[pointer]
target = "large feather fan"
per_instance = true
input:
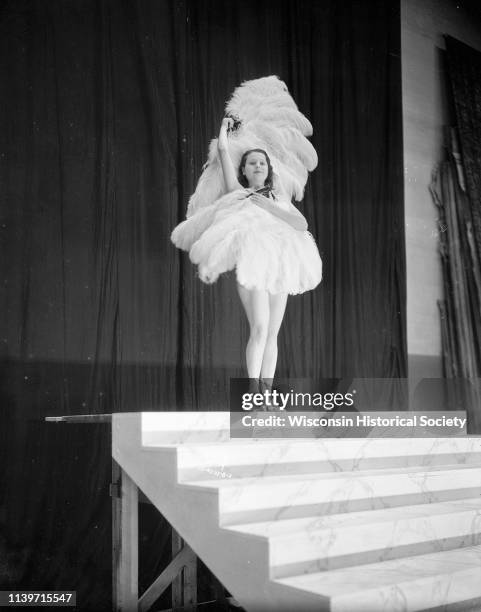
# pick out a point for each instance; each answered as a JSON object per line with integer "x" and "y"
{"x": 267, "y": 118}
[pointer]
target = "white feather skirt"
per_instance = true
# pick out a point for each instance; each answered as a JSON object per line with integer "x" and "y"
{"x": 266, "y": 252}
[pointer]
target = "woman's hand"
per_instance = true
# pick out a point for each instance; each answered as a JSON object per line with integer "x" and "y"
{"x": 262, "y": 202}
{"x": 293, "y": 218}
{"x": 222, "y": 142}
{"x": 228, "y": 170}
{"x": 227, "y": 123}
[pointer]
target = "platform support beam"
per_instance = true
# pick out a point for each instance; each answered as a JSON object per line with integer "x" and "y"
{"x": 181, "y": 572}
{"x": 184, "y": 585}
{"x": 125, "y": 541}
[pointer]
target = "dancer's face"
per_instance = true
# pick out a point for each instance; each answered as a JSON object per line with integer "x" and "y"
{"x": 256, "y": 169}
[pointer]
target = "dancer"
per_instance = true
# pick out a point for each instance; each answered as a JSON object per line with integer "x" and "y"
{"x": 241, "y": 216}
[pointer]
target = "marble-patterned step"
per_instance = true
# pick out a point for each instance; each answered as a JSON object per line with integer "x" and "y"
{"x": 431, "y": 498}
{"x": 172, "y": 428}
{"x": 410, "y": 584}
{"x": 321, "y": 543}
{"x": 245, "y": 458}
{"x": 263, "y": 498}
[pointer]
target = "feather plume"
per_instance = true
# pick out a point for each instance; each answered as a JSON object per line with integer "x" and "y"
{"x": 270, "y": 120}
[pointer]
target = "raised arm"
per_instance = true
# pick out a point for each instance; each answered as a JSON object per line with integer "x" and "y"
{"x": 228, "y": 170}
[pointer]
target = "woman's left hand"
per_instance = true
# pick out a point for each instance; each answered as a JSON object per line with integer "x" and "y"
{"x": 292, "y": 217}
{"x": 260, "y": 200}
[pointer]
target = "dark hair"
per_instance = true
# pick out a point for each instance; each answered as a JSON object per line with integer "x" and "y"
{"x": 241, "y": 177}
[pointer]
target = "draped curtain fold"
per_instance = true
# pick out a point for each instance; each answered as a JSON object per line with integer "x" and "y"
{"x": 457, "y": 192}
{"x": 106, "y": 113}
{"x": 464, "y": 72}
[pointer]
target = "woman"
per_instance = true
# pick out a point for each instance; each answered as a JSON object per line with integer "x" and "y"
{"x": 257, "y": 231}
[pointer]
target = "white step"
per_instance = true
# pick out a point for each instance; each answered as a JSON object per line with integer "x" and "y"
{"x": 327, "y": 542}
{"x": 256, "y": 499}
{"x": 411, "y": 584}
{"x": 333, "y": 479}
{"x": 172, "y": 428}
{"x": 235, "y": 459}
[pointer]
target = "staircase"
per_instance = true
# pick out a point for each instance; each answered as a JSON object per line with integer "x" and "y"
{"x": 346, "y": 525}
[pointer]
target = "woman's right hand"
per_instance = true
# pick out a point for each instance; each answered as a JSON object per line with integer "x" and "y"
{"x": 227, "y": 123}
{"x": 222, "y": 143}
{"x": 228, "y": 170}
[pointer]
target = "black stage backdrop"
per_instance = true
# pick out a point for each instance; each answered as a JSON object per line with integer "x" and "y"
{"x": 107, "y": 109}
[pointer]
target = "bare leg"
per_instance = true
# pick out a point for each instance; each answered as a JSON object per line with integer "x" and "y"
{"x": 256, "y": 306}
{"x": 277, "y": 308}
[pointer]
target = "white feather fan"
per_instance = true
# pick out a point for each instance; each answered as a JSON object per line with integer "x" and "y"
{"x": 269, "y": 120}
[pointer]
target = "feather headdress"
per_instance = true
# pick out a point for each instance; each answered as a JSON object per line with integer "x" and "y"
{"x": 267, "y": 118}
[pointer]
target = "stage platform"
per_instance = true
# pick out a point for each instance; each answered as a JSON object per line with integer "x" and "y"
{"x": 334, "y": 525}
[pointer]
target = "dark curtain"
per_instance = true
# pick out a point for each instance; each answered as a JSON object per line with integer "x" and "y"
{"x": 107, "y": 108}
